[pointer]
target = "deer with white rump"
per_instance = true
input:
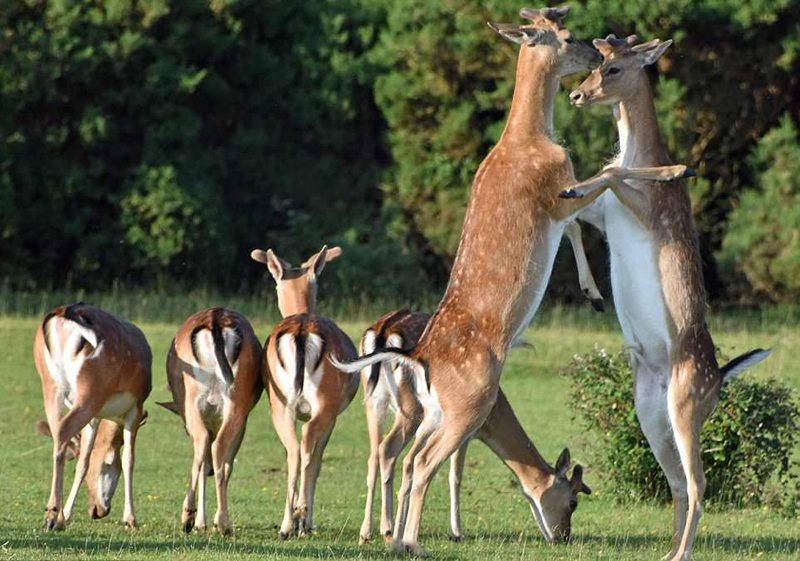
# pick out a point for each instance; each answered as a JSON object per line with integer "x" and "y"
{"x": 214, "y": 374}
{"x": 301, "y": 382}
{"x": 387, "y": 386}
{"x": 512, "y": 229}
{"x": 657, "y": 281}
{"x": 92, "y": 366}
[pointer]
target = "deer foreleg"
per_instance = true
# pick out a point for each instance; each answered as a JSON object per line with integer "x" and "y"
{"x": 87, "y": 443}
{"x": 585, "y": 277}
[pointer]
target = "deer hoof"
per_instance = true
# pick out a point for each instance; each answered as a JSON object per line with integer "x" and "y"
{"x": 283, "y": 535}
{"x": 387, "y": 537}
{"x": 456, "y": 538}
{"x": 569, "y": 194}
{"x": 690, "y": 172}
{"x": 362, "y": 540}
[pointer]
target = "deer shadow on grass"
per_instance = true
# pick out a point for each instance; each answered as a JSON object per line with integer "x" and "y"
{"x": 704, "y": 542}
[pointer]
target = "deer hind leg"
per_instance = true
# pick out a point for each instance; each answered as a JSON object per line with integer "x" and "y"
{"x": 687, "y": 413}
{"x": 284, "y": 420}
{"x": 316, "y": 433}
{"x": 191, "y": 515}
{"x": 585, "y": 277}
{"x": 221, "y": 449}
{"x": 87, "y": 443}
{"x": 396, "y": 440}
{"x": 456, "y": 473}
{"x": 65, "y": 430}
{"x": 129, "y": 433}
{"x": 376, "y": 415}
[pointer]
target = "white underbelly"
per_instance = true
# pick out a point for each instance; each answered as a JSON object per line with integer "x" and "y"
{"x": 636, "y": 283}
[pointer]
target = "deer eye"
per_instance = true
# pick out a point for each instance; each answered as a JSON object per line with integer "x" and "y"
{"x": 573, "y": 504}
{"x": 569, "y": 40}
{"x": 613, "y": 70}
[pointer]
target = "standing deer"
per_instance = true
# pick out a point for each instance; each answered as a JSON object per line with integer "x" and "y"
{"x": 512, "y": 229}
{"x": 93, "y": 366}
{"x": 394, "y": 390}
{"x": 105, "y": 465}
{"x": 301, "y": 382}
{"x": 214, "y": 374}
{"x": 657, "y": 281}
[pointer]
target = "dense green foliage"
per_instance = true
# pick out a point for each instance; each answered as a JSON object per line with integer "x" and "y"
{"x": 159, "y": 141}
{"x": 746, "y": 445}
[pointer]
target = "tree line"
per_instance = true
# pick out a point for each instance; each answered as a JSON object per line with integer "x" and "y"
{"x": 156, "y": 142}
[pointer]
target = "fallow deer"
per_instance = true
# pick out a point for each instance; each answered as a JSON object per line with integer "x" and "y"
{"x": 214, "y": 374}
{"x": 301, "y": 382}
{"x": 93, "y": 366}
{"x": 394, "y": 390}
{"x": 512, "y": 228}
{"x": 657, "y": 282}
{"x": 105, "y": 465}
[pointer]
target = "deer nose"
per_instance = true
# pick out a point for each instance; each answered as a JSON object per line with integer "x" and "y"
{"x": 98, "y": 511}
{"x": 576, "y": 97}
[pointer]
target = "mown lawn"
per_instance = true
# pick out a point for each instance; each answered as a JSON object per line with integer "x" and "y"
{"x": 496, "y": 518}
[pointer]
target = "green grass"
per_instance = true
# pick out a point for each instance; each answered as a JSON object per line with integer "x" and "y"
{"x": 496, "y": 518}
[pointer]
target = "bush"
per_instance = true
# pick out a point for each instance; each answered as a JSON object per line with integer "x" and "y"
{"x": 746, "y": 444}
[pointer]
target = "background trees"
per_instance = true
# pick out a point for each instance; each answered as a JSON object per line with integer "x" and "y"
{"x": 154, "y": 141}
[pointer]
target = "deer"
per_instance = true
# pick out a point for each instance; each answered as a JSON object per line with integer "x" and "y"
{"x": 105, "y": 464}
{"x": 214, "y": 375}
{"x": 393, "y": 390}
{"x": 499, "y": 274}
{"x": 657, "y": 283}
{"x": 301, "y": 382}
{"x": 92, "y": 366}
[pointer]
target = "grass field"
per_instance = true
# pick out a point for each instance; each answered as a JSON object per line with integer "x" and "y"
{"x": 496, "y": 518}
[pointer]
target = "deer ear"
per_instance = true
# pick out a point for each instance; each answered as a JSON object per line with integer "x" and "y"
{"x": 576, "y": 481}
{"x": 317, "y": 262}
{"x": 44, "y": 429}
{"x": 651, "y": 51}
{"x": 518, "y": 34}
{"x": 562, "y": 464}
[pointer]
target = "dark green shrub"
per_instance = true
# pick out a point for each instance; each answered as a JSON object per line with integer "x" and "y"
{"x": 746, "y": 444}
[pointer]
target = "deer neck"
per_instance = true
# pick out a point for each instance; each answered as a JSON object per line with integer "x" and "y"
{"x": 637, "y": 125}
{"x": 535, "y": 91}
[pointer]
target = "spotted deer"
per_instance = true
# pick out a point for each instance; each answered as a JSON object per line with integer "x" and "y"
{"x": 92, "y": 366}
{"x": 301, "y": 382}
{"x": 657, "y": 282}
{"x": 214, "y": 374}
{"x": 512, "y": 228}
{"x": 105, "y": 464}
{"x": 394, "y": 390}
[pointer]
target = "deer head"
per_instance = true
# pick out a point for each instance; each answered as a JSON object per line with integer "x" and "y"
{"x": 559, "y": 499}
{"x": 622, "y": 69}
{"x": 297, "y": 287}
{"x": 546, "y": 35}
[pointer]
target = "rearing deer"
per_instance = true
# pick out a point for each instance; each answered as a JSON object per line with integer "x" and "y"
{"x": 394, "y": 389}
{"x": 657, "y": 281}
{"x": 301, "y": 382}
{"x": 512, "y": 228}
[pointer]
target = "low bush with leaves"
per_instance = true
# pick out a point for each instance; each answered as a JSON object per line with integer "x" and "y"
{"x": 746, "y": 444}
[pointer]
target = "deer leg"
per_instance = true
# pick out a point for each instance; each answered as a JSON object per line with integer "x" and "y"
{"x": 376, "y": 413}
{"x": 687, "y": 414}
{"x": 313, "y": 475}
{"x": 614, "y": 176}
{"x": 585, "y": 277}
{"x": 284, "y": 421}
{"x": 456, "y": 473}
{"x": 220, "y": 453}
{"x": 399, "y": 436}
{"x": 190, "y": 517}
{"x": 87, "y": 443}
{"x": 129, "y": 432}
{"x": 65, "y": 430}
{"x": 200, "y": 519}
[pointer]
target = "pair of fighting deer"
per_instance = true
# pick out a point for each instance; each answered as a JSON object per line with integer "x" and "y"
{"x": 439, "y": 374}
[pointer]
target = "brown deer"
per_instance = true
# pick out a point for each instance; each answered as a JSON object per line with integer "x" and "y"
{"x": 214, "y": 374}
{"x": 512, "y": 228}
{"x": 657, "y": 281}
{"x": 301, "y": 382}
{"x": 92, "y": 366}
{"x": 394, "y": 389}
{"x": 105, "y": 465}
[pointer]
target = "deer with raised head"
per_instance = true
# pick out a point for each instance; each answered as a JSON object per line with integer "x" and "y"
{"x": 92, "y": 366}
{"x": 214, "y": 374}
{"x": 657, "y": 282}
{"x": 393, "y": 389}
{"x": 301, "y": 382}
{"x": 105, "y": 464}
{"x": 512, "y": 228}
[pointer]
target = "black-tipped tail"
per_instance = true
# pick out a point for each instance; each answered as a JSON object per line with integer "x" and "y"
{"x": 219, "y": 347}
{"x": 743, "y": 362}
{"x": 299, "y": 362}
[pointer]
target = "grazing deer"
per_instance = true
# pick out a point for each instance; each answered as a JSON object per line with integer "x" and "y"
{"x": 105, "y": 465}
{"x": 512, "y": 229}
{"x": 657, "y": 281}
{"x": 93, "y": 366}
{"x": 214, "y": 374}
{"x": 394, "y": 390}
{"x": 301, "y": 382}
